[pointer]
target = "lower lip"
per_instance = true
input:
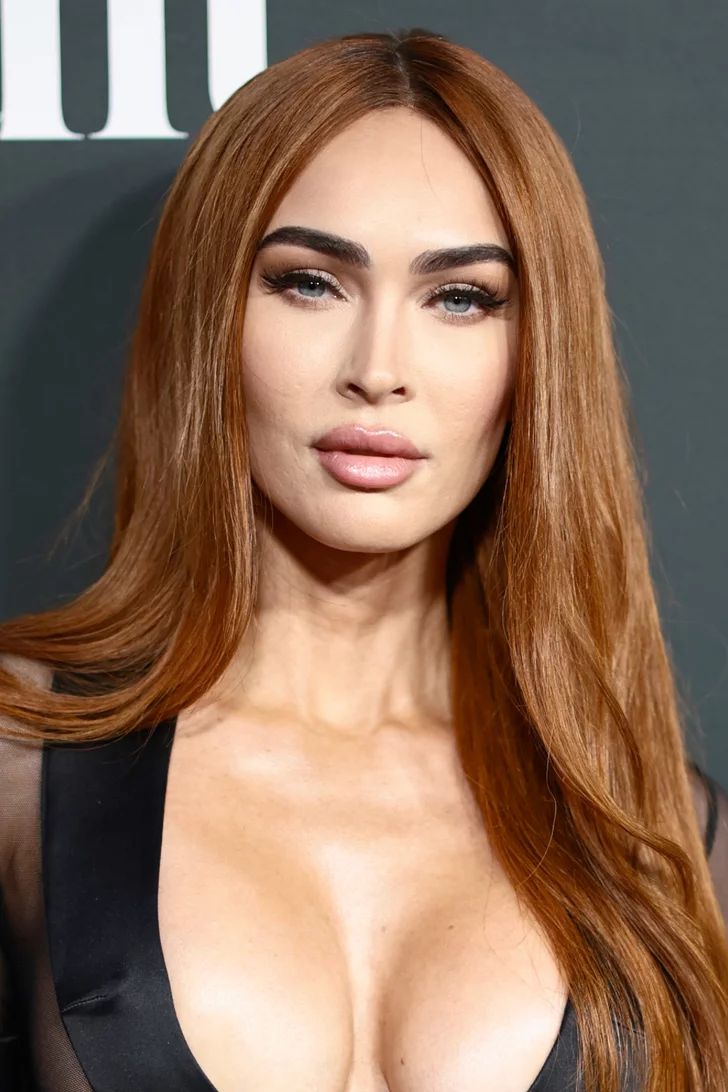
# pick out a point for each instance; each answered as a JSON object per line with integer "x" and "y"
{"x": 367, "y": 471}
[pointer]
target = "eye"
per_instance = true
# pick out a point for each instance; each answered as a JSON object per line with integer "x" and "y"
{"x": 295, "y": 278}
{"x": 288, "y": 283}
{"x": 487, "y": 300}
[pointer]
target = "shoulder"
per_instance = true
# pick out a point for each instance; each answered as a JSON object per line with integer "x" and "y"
{"x": 711, "y": 804}
{"x": 32, "y": 671}
{"x": 35, "y": 673}
{"x": 14, "y": 753}
{"x": 20, "y": 766}
{"x": 703, "y": 800}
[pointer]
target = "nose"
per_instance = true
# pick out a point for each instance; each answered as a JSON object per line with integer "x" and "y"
{"x": 377, "y": 367}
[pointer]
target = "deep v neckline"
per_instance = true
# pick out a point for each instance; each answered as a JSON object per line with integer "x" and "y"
{"x": 102, "y": 822}
{"x": 102, "y": 814}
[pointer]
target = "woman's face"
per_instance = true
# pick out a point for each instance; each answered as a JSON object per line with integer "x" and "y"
{"x": 377, "y": 343}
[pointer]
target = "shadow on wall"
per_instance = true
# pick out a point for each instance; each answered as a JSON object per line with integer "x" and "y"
{"x": 61, "y": 378}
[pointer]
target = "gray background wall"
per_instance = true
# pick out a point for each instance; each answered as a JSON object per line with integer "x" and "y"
{"x": 637, "y": 91}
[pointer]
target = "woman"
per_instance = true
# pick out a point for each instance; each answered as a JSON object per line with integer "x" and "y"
{"x": 361, "y": 766}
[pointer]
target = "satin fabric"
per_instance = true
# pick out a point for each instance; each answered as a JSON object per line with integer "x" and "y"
{"x": 102, "y": 812}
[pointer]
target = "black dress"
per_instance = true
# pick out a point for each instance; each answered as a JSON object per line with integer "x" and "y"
{"x": 85, "y": 1001}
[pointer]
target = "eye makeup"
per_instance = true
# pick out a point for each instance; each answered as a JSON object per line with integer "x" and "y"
{"x": 473, "y": 292}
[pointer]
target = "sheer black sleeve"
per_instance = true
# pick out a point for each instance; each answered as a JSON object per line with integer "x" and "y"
{"x": 15, "y": 1075}
{"x": 35, "y": 1051}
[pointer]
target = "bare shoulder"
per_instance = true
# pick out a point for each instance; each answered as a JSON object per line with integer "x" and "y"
{"x": 714, "y": 816}
{"x": 701, "y": 796}
{"x": 711, "y": 805}
{"x": 20, "y": 774}
{"x": 31, "y": 671}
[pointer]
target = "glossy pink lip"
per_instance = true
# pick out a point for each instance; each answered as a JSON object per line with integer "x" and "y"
{"x": 367, "y": 441}
{"x": 367, "y": 471}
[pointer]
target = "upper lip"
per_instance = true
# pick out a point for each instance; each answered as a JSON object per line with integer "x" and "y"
{"x": 375, "y": 441}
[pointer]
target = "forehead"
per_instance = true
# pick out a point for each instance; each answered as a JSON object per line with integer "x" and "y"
{"x": 393, "y": 176}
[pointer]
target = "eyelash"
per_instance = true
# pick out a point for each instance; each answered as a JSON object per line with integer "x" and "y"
{"x": 476, "y": 292}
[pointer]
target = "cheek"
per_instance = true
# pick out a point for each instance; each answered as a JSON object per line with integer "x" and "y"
{"x": 280, "y": 383}
{"x": 475, "y": 403}
{"x": 275, "y": 376}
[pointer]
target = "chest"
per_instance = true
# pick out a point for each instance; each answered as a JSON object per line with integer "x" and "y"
{"x": 343, "y": 934}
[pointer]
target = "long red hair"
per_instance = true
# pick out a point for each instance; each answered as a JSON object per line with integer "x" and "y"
{"x": 564, "y": 699}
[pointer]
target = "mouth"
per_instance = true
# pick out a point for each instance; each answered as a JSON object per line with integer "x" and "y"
{"x": 376, "y": 442}
{"x": 368, "y": 458}
{"x": 366, "y": 471}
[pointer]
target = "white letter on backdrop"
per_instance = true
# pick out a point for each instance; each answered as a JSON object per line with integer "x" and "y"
{"x": 237, "y": 45}
{"x": 137, "y": 73}
{"x": 31, "y": 66}
{"x": 31, "y": 71}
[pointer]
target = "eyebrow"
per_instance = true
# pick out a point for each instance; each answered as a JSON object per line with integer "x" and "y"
{"x": 354, "y": 254}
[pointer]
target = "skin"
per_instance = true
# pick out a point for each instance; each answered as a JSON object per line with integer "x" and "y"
{"x": 327, "y": 896}
{"x": 353, "y": 577}
{"x": 320, "y": 842}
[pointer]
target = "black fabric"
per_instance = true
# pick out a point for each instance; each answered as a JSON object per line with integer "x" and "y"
{"x": 85, "y": 1000}
{"x": 101, "y": 869}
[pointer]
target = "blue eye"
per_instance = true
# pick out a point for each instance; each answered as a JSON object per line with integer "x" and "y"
{"x": 306, "y": 280}
{"x": 487, "y": 300}
{"x": 290, "y": 282}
